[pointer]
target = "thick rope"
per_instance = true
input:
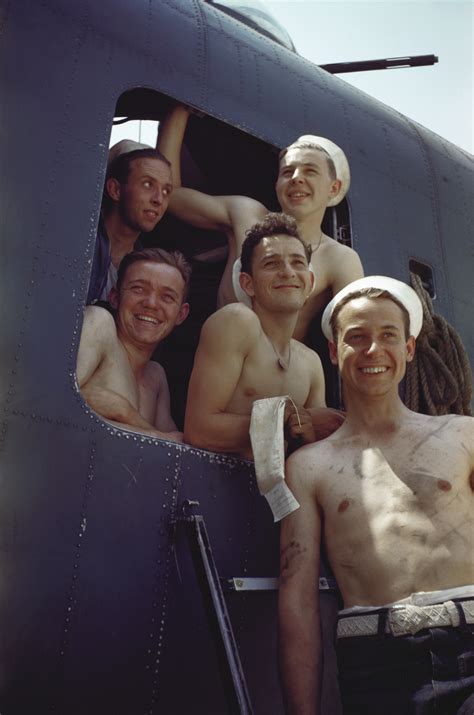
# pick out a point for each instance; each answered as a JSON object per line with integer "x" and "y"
{"x": 438, "y": 380}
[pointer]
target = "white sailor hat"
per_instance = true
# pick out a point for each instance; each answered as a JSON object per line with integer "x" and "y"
{"x": 401, "y": 291}
{"x": 341, "y": 164}
{"x": 125, "y": 146}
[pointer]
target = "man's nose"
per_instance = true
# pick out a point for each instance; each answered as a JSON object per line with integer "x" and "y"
{"x": 151, "y": 299}
{"x": 297, "y": 174}
{"x": 373, "y": 346}
{"x": 286, "y": 268}
{"x": 158, "y": 196}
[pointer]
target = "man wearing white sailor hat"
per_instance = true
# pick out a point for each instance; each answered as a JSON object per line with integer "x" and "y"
{"x": 394, "y": 490}
{"x": 313, "y": 174}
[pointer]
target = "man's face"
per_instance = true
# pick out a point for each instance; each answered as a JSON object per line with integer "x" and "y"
{"x": 150, "y": 303}
{"x": 304, "y": 185}
{"x": 371, "y": 350}
{"x": 144, "y": 198}
{"x": 281, "y": 279}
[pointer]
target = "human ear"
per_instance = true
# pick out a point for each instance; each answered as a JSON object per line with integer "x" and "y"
{"x": 311, "y": 283}
{"x": 411, "y": 348}
{"x": 246, "y": 283}
{"x": 183, "y": 314}
{"x": 333, "y": 352}
{"x": 113, "y": 188}
{"x": 335, "y": 188}
{"x": 113, "y": 298}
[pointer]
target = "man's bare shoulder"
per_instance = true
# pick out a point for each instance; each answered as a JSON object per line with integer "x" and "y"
{"x": 446, "y": 427}
{"x": 98, "y": 318}
{"x": 312, "y": 460}
{"x": 234, "y": 317}
{"x": 306, "y": 353}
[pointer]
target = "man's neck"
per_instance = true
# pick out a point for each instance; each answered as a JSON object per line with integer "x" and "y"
{"x": 122, "y": 237}
{"x": 374, "y": 416}
{"x": 309, "y": 228}
{"x": 278, "y": 327}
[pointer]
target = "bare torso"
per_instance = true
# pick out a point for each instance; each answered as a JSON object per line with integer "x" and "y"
{"x": 261, "y": 375}
{"x": 398, "y": 511}
{"x": 114, "y": 371}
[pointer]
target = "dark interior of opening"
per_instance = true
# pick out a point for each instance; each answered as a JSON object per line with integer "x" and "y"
{"x": 218, "y": 159}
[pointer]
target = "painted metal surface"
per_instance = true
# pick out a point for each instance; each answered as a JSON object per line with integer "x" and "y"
{"x": 99, "y": 607}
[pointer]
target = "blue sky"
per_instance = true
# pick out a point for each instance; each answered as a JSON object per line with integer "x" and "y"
{"x": 439, "y": 97}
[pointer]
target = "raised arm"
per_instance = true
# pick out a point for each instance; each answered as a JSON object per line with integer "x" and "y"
{"x": 300, "y": 648}
{"x": 170, "y": 139}
{"x": 225, "y": 341}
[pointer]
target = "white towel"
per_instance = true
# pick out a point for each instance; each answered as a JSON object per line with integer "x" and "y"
{"x": 268, "y": 445}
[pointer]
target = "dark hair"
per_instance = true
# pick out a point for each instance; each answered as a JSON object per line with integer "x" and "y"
{"x": 273, "y": 224}
{"x": 156, "y": 255}
{"x": 119, "y": 168}
{"x": 373, "y": 293}
{"x": 311, "y": 145}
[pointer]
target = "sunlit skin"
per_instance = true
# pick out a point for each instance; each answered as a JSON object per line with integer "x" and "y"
{"x": 304, "y": 185}
{"x": 281, "y": 279}
{"x": 144, "y": 198}
{"x": 390, "y": 493}
{"x": 151, "y": 303}
{"x": 372, "y": 348}
{"x": 115, "y": 373}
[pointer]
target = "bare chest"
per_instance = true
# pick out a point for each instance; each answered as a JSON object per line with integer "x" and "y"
{"x": 115, "y": 374}
{"x": 262, "y": 376}
{"x": 379, "y": 481}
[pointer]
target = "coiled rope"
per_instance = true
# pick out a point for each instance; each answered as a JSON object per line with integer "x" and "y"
{"x": 438, "y": 380}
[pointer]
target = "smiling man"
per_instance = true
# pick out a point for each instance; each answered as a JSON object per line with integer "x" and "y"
{"x": 136, "y": 195}
{"x": 313, "y": 174}
{"x": 247, "y": 354}
{"x": 114, "y": 371}
{"x": 391, "y": 494}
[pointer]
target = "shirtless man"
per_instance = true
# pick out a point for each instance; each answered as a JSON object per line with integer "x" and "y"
{"x": 309, "y": 180}
{"x": 246, "y": 354}
{"x": 391, "y": 493}
{"x": 114, "y": 369}
{"x": 136, "y": 194}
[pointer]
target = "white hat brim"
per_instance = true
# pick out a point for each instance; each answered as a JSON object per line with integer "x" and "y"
{"x": 401, "y": 291}
{"x": 125, "y": 146}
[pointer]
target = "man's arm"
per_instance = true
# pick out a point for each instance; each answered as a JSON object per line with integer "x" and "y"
{"x": 97, "y": 336}
{"x": 225, "y": 341}
{"x": 214, "y": 213}
{"x": 117, "y": 409}
{"x": 325, "y": 420}
{"x": 163, "y": 419}
{"x": 300, "y": 651}
{"x": 170, "y": 139}
{"x": 346, "y": 268}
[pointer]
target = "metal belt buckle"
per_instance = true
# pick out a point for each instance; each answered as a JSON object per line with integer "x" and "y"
{"x": 408, "y": 619}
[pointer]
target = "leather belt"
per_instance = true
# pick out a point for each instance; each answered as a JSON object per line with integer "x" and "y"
{"x": 406, "y": 619}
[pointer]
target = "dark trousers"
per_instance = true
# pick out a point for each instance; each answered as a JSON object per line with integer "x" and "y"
{"x": 431, "y": 672}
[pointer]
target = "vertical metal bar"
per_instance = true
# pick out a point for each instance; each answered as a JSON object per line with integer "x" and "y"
{"x": 235, "y": 685}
